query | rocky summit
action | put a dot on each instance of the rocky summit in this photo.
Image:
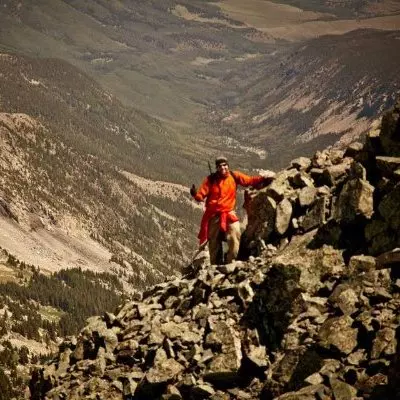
(311, 312)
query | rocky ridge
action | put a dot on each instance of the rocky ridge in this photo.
(312, 312)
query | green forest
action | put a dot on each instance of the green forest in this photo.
(74, 294)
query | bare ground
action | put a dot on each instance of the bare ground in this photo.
(53, 250)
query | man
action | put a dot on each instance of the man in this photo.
(219, 218)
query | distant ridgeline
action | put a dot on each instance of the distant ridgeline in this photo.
(312, 313)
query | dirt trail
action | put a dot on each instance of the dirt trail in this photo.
(52, 251)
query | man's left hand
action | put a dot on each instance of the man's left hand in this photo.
(267, 180)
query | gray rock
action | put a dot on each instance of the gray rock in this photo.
(353, 149)
(389, 133)
(261, 218)
(314, 379)
(226, 364)
(308, 266)
(180, 331)
(336, 174)
(307, 393)
(301, 180)
(357, 357)
(320, 159)
(129, 386)
(361, 263)
(164, 369)
(377, 238)
(64, 362)
(341, 390)
(345, 298)
(385, 341)
(301, 163)
(258, 356)
(389, 209)
(317, 174)
(337, 332)
(316, 216)
(355, 199)
(204, 391)
(283, 215)
(307, 196)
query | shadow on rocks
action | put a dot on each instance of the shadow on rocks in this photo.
(350, 237)
(271, 309)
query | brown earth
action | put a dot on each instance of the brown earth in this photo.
(291, 23)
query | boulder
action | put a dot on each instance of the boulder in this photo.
(355, 199)
(387, 165)
(261, 218)
(301, 163)
(345, 298)
(389, 209)
(307, 265)
(338, 334)
(284, 212)
(341, 390)
(307, 196)
(390, 132)
(335, 174)
(361, 263)
(354, 149)
(316, 216)
(164, 369)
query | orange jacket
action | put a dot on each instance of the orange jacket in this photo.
(220, 192)
(220, 195)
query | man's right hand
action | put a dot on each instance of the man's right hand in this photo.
(267, 180)
(193, 190)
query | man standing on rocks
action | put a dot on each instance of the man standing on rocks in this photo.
(219, 218)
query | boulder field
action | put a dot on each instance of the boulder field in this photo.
(312, 311)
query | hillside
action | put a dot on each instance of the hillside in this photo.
(313, 313)
(324, 92)
(348, 8)
(183, 62)
(69, 163)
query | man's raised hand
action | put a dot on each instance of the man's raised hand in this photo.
(193, 190)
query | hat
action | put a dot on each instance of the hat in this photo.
(221, 160)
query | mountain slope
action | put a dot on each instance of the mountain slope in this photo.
(68, 149)
(184, 61)
(142, 51)
(319, 93)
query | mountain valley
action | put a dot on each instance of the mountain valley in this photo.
(109, 110)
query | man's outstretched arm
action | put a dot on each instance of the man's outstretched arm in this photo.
(256, 181)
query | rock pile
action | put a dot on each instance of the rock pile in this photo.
(352, 196)
(313, 313)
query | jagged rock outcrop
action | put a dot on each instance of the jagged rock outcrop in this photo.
(313, 313)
